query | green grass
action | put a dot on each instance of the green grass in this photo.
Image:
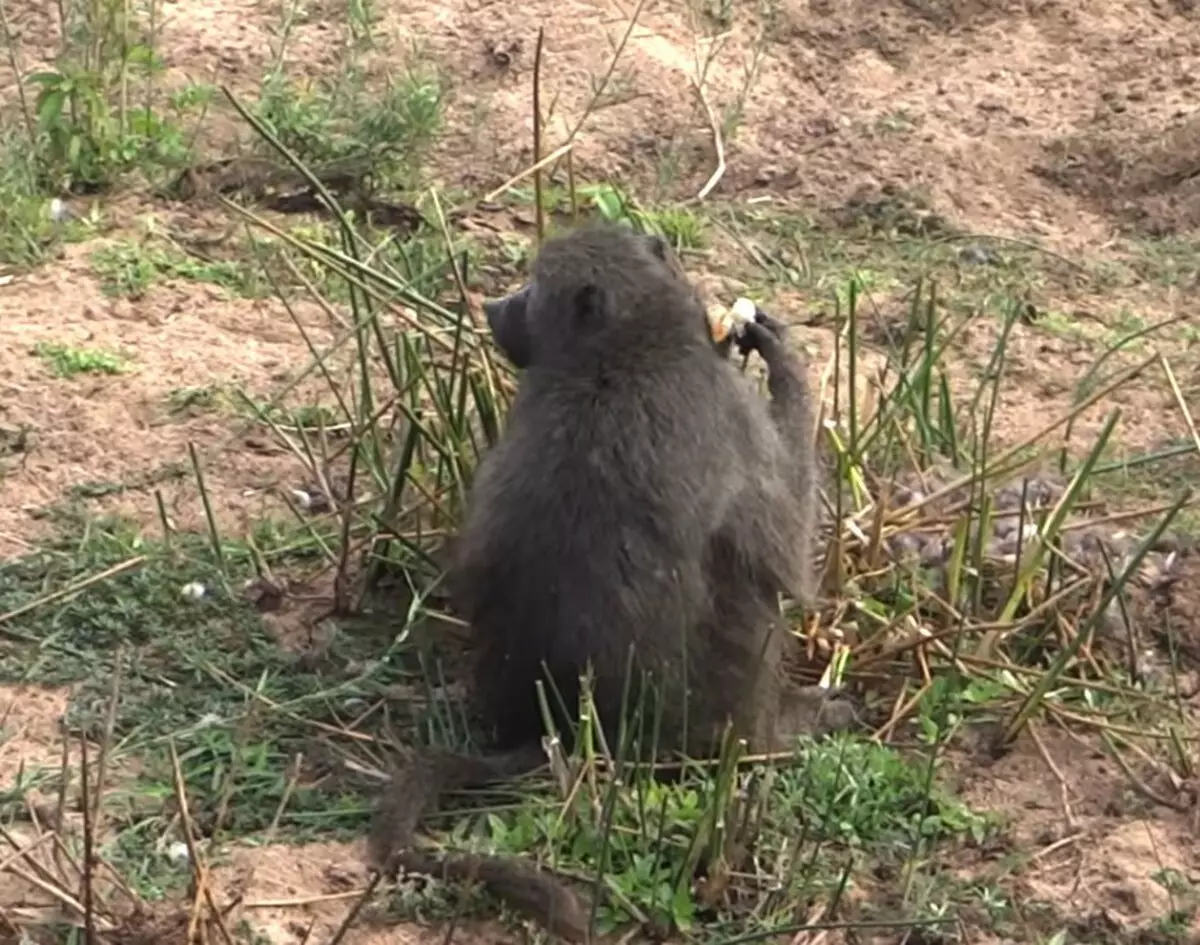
(29, 231)
(97, 113)
(203, 675)
(129, 269)
(387, 131)
(183, 401)
(845, 799)
(1169, 261)
(100, 115)
(69, 360)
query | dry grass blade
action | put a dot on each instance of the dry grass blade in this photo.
(202, 894)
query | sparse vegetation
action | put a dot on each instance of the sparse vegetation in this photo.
(130, 269)
(67, 360)
(190, 399)
(241, 617)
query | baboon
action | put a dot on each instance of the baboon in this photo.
(643, 499)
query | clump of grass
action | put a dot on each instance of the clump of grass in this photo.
(375, 129)
(682, 227)
(75, 611)
(69, 360)
(841, 799)
(131, 268)
(188, 400)
(313, 419)
(92, 117)
(29, 229)
(154, 673)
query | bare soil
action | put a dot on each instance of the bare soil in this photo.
(1073, 124)
(1093, 845)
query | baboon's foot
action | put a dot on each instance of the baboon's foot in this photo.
(812, 710)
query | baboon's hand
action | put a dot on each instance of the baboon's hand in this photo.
(760, 335)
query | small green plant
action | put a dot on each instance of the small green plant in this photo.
(863, 281)
(409, 113)
(188, 400)
(380, 134)
(87, 143)
(67, 361)
(95, 113)
(897, 122)
(1185, 905)
(681, 227)
(864, 793)
(839, 795)
(308, 417)
(29, 225)
(131, 268)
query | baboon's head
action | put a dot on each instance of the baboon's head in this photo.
(595, 290)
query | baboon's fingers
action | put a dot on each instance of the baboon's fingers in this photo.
(773, 324)
(763, 337)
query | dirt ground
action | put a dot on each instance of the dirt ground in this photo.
(1072, 124)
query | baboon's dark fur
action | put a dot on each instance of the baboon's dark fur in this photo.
(643, 495)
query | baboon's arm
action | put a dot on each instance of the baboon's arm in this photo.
(787, 382)
(778, 529)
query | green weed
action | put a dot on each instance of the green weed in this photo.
(131, 268)
(1169, 261)
(374, 134)
(837, 799)
(87, 143)
(96, 114)
(191, 400)
(309, 417)
(67, 360)
(171, 624)
(29, 226)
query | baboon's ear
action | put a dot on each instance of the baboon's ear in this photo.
(508, 318)
(592, 307)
